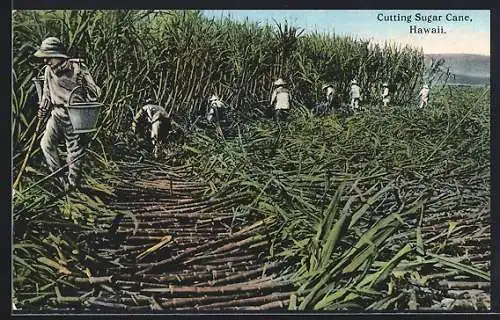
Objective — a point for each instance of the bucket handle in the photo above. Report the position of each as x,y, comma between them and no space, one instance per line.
73,91
82,84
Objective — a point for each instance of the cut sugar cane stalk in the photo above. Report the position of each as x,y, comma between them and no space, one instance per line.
163,242
38,86
28,154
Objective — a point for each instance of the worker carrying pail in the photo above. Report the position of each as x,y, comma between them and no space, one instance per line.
61,78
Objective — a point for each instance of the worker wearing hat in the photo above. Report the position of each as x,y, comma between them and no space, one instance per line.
385,94
329,91
424,96
355,95
61,76
160,122
215,109
280,99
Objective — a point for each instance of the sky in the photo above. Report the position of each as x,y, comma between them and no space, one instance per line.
471,37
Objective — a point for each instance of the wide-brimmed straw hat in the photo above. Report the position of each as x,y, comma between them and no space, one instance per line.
280,82
385,84
354,81
328,85
213,98
426,86
51,47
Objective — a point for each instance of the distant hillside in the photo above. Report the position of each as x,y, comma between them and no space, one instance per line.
467,68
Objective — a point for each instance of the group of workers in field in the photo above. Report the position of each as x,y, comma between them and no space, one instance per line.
62,75
355,97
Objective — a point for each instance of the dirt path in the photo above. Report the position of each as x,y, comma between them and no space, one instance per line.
183,250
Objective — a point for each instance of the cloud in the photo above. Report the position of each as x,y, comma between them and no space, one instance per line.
470,42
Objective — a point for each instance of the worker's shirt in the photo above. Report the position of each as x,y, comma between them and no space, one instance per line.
280,98
216,104
355,91
424,93
385,94
60,81
154,112
329,93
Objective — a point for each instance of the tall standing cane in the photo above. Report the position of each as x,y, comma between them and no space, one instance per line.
38,85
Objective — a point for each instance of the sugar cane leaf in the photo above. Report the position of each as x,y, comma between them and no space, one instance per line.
384,303
386,269
293,302
333,237
451,226
461,267
420,243
360,259
357,215
330,298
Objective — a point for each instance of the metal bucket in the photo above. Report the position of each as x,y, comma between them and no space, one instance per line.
83,115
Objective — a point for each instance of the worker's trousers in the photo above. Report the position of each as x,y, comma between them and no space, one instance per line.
323,108
59,127
355,104
386,101
155,137
160,130
423,102
281,114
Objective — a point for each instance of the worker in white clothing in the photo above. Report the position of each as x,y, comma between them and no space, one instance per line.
280,99
355,95
216,109
424,96
160,124
385,94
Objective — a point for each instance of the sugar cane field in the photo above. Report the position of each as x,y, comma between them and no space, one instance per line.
386,209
